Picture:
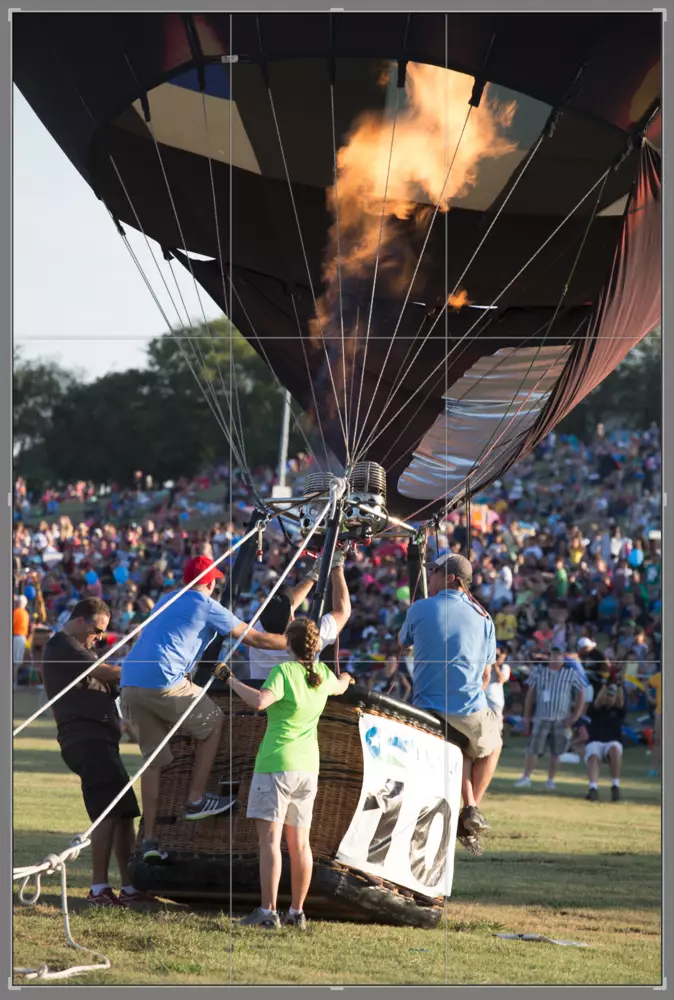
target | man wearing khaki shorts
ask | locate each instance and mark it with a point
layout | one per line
(454, 641)
(156, 692)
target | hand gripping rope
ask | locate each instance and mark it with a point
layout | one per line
(57, 862)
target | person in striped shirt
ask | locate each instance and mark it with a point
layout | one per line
(555, 701)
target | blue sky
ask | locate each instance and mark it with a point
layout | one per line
(78, 297)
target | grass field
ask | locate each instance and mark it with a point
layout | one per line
(557, 865)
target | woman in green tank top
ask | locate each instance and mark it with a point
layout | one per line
(285, 779)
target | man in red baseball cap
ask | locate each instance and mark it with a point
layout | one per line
(156, 690)
(195, 568)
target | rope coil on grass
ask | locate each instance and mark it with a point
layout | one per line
(54, 862)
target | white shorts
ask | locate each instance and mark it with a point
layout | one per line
(597, 749)
(283, 797)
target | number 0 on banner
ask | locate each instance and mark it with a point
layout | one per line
(404, 828)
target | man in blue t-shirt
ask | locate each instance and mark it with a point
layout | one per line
(454, 641)
(156, 691)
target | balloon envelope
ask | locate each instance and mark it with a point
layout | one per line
(487, 252)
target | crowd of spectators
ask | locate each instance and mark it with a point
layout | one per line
(565, 548)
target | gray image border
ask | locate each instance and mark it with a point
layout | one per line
(6, 340)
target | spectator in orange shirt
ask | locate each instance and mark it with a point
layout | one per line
(21, 628)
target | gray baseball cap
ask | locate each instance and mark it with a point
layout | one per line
(455, 565)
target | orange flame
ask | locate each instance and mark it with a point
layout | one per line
(458, 300)
(388, 180)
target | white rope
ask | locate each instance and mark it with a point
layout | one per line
(43, 973)
(135, 631)
(53, 863)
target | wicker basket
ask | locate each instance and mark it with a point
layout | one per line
(217, 859)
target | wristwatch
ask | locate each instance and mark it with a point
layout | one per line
(223, 672)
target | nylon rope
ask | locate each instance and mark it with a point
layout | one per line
(53, 863)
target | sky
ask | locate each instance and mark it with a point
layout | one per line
(78, 297)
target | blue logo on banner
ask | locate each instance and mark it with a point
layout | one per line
(373, 741)
(394, 747)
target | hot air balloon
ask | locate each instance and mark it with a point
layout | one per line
(440, 231)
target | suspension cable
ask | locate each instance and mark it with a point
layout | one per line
(339, 254)
(413, 279)
(493, 442)
(120, 178)
(487, 449)
(397, 382)
(363, 363)
(306, 264)
(418, 389)
(150, 127)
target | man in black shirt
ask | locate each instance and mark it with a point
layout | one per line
(88, 732)
(607, 715)
(594, 662)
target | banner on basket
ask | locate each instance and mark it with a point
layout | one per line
(404, 829)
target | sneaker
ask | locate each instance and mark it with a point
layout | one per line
(269, 921)
(473, 821)
(615, 793)
(151, 852)
(210, 805)
(297, 920)
(550, 785)
(106, 898)
(593, 795)
(523, 782)
(131, 898)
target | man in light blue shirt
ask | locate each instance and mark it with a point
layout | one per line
(156, 691)
(454, 641)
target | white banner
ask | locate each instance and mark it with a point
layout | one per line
(404, 829)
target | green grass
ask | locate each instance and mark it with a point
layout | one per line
(557, 865)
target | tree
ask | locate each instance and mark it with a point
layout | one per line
(631, 396)
(39, 386)
(224, 375)
(170, 419)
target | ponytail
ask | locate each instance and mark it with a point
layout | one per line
(305, 641)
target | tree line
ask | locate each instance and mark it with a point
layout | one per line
(160, 418)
